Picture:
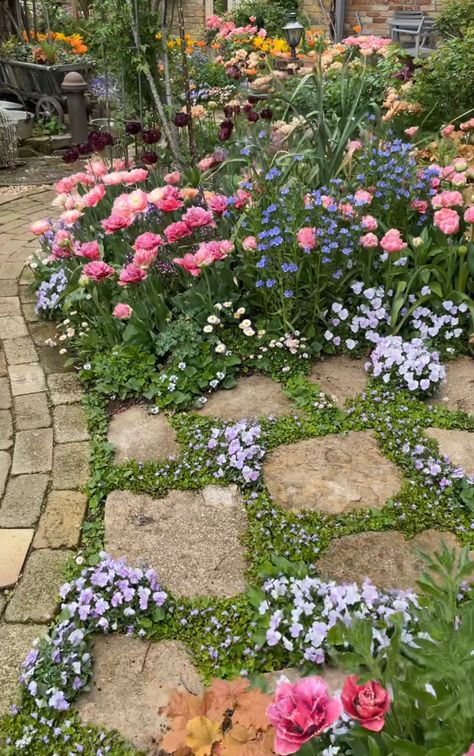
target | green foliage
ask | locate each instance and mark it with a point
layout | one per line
(456, 17)
(431, 676)
(444, 84)
(270, 14)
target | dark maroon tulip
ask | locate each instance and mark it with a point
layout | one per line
(84, 148)
(252, 99)
(181, 120)
(227, 124)
(149, 158)
(266, 114)
(107, 138)
(224, 134)
(252, 116)
(151, 136)
(133, 127)
(248, 107)
(228, 111)
(71, 155)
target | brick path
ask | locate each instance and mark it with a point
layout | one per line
(43, 451)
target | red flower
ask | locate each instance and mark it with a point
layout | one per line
(368, 703)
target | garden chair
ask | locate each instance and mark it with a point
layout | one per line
(421, 39)
(403, 20)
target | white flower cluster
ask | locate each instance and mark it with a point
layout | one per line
(409, 364)
(370, 315)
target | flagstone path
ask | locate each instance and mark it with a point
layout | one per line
(43, 450)
(44, 464)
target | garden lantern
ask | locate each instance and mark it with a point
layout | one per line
(293, 32)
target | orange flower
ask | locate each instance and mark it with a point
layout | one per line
(357, 28)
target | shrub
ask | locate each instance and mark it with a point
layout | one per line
(272, 16)
(455, 18)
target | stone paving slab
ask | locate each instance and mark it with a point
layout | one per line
(388, 559)
(31, 412)
(69, 423)
(8, 287)
(22, 502)
(27, 379)
(5, 462)
(14, 545)
(20, 350)
(6, 429)
(340, 377)
(12, 326)
(252, 397)
(36, 596)
(64, 388)
(457, 393)
(9, 306)
(70, 465)
(33, 451)
(334, 474)
(131, 680)
(15, 642)
(458, 445)
(60, 524)
(191, 538)
(3, 364)
(136, 434)
(5, 394)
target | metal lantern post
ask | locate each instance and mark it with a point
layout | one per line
(293, 32)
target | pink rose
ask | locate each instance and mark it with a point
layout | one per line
(367, 703)
(369, 223)
(447, 220)
(137, 201)
(176, 231)
(173, 178)
(411, 131)
(249, 243)
(70, 217)
(447, 199)
(306, 238)
(131, 274)
(197, 217)
(363, 197)
(89, 249)
(93, 197)
(218, 204)
(392, 241)
(40, 227)
(469, 214)
(369, 241)
(169, 204)
(143, 258)
(421, 206)
(98, 270)
(115, 222)
(122, 311)
(301, 712)
(147, 241)
(446, 131)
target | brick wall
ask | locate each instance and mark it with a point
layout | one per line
(316, 12)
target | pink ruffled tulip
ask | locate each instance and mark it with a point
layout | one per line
(369, 223)
(122, 311)
(40, 227)
(90, 250)
(469, 214)
(169, 204)
(131, 274)
(411, 131)
(306, 238)
(218, 204)
(301, 712)
(137, 201)
(176, 231)
(148, 240)
(446, 131)
(135, 176)
(173, 178)
(367, 703)
(363, 197)
(143, 258)
(447, 199)
(98, 270)
(446, 220)
(369, 241)
(249, 243)
(392, 241)
(421, 206)
(197, 217)
(116, 222)
(94, 196)
(70, 217)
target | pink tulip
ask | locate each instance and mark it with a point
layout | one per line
(70, 217)
(137, 201)
(218, 204)
(98, 270)
(94, 196)
(363, 197)
(447, 220)
(446, 131)
(97, 167)
(89, 249)
(131, 274)
(173, 178)
(176, 231)
(197, 217)
(148, 240)
(169, 204)
(367, 703)
(115, 222)
(411, 131)
(249, 243)
(421, 206)
(392, 241)
(143, 258)
(122, 311)
(369, 241)
(306, 238)
(469, 214)
(40, 227)
(135, 176)
(471, 749)
(301, 712)
(369, 223)
(447, 199)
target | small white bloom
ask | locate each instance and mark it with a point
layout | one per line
(208, 329)
(220, 348)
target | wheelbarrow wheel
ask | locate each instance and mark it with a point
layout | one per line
(48, 107)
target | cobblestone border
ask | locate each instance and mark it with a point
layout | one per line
(43, 450)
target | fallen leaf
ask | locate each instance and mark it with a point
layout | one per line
(251, 710)
(202, 733)
(224, 695)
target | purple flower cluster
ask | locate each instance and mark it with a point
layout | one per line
(48, 293)
(298, 614)
(408, 364)
(443, 327)
(236, 446)
(371, 316)
(107, 597)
